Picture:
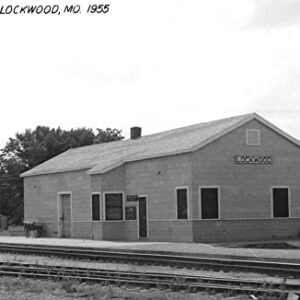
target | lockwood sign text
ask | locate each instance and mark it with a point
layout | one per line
(53, 9)
(253, 160)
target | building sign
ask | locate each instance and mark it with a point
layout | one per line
(130, 213)
(131, 198)
(253, 160)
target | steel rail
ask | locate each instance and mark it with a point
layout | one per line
(148, 280)
(195, 262)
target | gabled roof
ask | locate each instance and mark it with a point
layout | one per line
(100, 158)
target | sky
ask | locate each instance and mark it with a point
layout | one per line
(154, 64)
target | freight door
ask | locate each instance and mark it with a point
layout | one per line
(142, 217)
(65, 216)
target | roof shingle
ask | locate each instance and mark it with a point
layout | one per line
(100, 158)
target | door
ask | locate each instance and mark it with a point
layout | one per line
(65, 219)
(142, 217)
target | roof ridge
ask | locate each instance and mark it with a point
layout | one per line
(202, 124)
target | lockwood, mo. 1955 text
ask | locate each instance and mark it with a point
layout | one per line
(53, 9)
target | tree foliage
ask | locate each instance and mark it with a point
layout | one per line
(31, 148)
(108, 135)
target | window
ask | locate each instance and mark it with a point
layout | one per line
(96, 207)
(181, 198)
(280, 202)
(130, 213)
(253, 137)
(209, 203)
(114, 206)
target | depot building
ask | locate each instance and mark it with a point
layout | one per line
(227, 180)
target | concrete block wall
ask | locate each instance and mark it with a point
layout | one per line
(97, 230)
(131, 230)
(245, 230)
(109, 182)
(112, 181)
(82, 230)
(114, 230)
(245, 190)
(41, 199)
(245, 193)
(50, 229)
(157, 179)
(170, 231)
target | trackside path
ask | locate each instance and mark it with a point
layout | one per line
(187, 248)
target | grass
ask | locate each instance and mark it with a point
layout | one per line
(12, 288)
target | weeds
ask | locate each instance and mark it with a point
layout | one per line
(73, 289)
(69, 285)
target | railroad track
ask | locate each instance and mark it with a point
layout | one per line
(282, 269)
(159, 281)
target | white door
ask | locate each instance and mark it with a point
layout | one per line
(65, 219)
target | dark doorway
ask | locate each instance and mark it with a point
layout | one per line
(209, 203)
(142, 217)
(280, 202)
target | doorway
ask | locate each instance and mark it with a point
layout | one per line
(142, 217)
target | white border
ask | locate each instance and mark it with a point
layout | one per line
(138, 217)
(104, 206)
(289, 201)
(187, 202)
(200, 200)
(59, 229)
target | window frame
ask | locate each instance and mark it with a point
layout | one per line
(187, 202)
(247, 137)
(200, 200)
(100, 207)
(289, 201)
(123, 205)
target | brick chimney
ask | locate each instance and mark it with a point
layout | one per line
(135, 132)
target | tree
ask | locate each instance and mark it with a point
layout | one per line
(108, 135)
(31, 148)
(11, 188)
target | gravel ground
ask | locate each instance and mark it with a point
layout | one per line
(41, 260)
(23, 289)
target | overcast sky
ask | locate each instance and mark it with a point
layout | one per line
(154, 64)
